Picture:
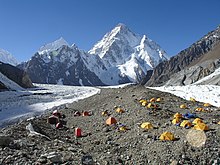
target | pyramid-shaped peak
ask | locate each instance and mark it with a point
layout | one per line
(53, 45)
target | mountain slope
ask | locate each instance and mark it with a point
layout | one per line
(120, 57)
(64, 65)
(6, 57)
(130, 54)
(13, 78)
(191, 64)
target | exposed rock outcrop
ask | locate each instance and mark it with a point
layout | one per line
(195, 62)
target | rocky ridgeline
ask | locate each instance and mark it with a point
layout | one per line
(36, 141)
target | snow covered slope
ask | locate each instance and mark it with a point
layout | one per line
(203, 93)
(129, 53)
(7, 58)
(120, 57)
(52, 46)
(16, 106)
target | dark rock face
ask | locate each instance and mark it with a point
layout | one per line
(17, 75)
(66, 67)
(187, 58)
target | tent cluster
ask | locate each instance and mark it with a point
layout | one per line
(151, 103)
(56, 119)
(197, 123)
(84, 113)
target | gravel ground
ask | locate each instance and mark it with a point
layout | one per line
(107, 145)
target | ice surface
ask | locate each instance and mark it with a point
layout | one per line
(20, 105)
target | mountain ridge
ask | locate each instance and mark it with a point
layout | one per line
(107, 62)
(195, 55)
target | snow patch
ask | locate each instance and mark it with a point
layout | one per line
(202, 93)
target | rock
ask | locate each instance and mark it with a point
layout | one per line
(87, 160)
(54, 157)
(42, 159)
(5, 140)
(174, 162)
(196, 138)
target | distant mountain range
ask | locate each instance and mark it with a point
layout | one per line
(120, 57)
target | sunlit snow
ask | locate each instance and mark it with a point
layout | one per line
(16, 106)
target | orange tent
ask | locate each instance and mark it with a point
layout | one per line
(111, 120)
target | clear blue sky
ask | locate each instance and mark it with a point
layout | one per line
(26, 25)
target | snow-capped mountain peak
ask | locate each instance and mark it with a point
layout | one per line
(53, 46)
(120, 36)
(7, 58)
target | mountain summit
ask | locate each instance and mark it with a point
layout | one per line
(7, 57)
(52, 46)
(129, 53)
(121, 56)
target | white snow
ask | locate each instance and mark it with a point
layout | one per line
(16, 106)
(52, 46)
(203, 93)
(7, 58)
(124, 53)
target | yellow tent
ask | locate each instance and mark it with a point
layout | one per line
(123, 128)
(178, 115)
(152, 100)
(192, 99)
(200, 109)
(201, 126)
(183, 106)
(207, 105)
(176, 120)
(197, 120)
(120, 110)
(167, 136)
(147, 125)
(105, 113)
(143, 102)
(158, 99)
(186, 123)
(151, 105)
(219, 122)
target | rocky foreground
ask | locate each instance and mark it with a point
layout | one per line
(107, 145)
